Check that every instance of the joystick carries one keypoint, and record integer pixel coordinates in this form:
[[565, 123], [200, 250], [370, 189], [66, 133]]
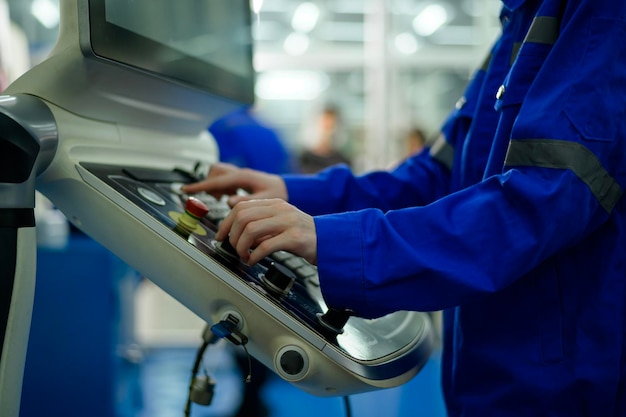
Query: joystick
[[334, 319], [227, 248], [278, 279]]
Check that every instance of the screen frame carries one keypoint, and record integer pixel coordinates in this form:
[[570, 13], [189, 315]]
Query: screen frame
[[115, 43]]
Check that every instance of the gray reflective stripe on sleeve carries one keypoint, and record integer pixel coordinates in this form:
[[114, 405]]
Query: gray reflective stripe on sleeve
[[551, 153], [443, 152], [543, 29], [516, 47], [486, 62]]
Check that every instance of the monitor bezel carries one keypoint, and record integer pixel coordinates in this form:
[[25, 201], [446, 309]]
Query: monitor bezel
[[117, 44]]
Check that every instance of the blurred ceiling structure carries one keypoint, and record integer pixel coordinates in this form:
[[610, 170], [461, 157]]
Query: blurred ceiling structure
[[348, 27], [389, 64]]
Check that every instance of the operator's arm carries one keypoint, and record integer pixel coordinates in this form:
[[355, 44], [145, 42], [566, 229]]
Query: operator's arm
[[473, 242], [562, 180], [417, 181]]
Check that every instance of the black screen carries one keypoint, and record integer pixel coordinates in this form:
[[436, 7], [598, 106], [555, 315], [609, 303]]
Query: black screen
[[203, 43]]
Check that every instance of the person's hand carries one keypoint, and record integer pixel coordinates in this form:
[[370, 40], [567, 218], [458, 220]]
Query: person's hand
[[227, 179], [266, 226]]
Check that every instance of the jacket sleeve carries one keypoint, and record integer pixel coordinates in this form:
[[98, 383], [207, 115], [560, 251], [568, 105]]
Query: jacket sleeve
[[417, 181], [471, 243], [562, 179]]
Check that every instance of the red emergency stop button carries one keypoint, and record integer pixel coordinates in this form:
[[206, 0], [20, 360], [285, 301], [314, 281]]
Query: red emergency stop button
[[196, 208]]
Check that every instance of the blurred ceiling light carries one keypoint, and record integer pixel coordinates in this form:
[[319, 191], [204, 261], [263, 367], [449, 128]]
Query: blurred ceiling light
[[406, 43], [430, 19], [256, 5], [296, 44], [46, 12], [343, 32], [291, 85], [305, 17]]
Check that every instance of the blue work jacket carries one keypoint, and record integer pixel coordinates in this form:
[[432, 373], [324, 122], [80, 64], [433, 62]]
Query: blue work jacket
[[243, 140], [513, 223]]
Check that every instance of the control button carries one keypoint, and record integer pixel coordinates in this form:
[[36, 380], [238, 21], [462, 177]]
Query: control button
[[281, 255], [176, 188], [294, 262], [208, 199], [292, 363], [196, 207], [313, 280], [334, 319], [219, 208], [278, 279], [189, 221], [306, 271], [226, 248], [151, 196]]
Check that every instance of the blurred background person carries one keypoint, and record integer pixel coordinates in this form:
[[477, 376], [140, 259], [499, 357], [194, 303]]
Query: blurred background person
[[325, 150], [244, 140], [415, 141], [412, 142]]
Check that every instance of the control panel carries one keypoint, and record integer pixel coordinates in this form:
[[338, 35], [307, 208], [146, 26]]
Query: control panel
[[384, 352]]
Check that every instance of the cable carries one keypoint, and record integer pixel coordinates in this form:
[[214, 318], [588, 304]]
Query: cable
[[348, 408], [248, 377], [208, 338], [201, 390], [227, 328]]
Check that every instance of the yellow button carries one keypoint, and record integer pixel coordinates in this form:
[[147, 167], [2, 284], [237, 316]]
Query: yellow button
[[500, 92]]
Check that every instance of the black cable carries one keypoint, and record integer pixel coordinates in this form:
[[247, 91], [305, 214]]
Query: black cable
[[225, 328], [207, 339], [346, 404], [248, 377], [196, 368]]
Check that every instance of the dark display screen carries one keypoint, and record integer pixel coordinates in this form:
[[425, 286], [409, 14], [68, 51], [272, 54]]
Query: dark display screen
[[203, 43]]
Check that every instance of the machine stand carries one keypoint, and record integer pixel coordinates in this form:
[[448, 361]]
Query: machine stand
[[28, 139]]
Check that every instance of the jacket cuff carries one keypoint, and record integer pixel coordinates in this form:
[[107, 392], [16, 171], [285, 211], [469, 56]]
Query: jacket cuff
[[339, 258]]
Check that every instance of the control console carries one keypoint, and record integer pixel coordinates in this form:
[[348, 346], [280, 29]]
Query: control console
[[276, 303]]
